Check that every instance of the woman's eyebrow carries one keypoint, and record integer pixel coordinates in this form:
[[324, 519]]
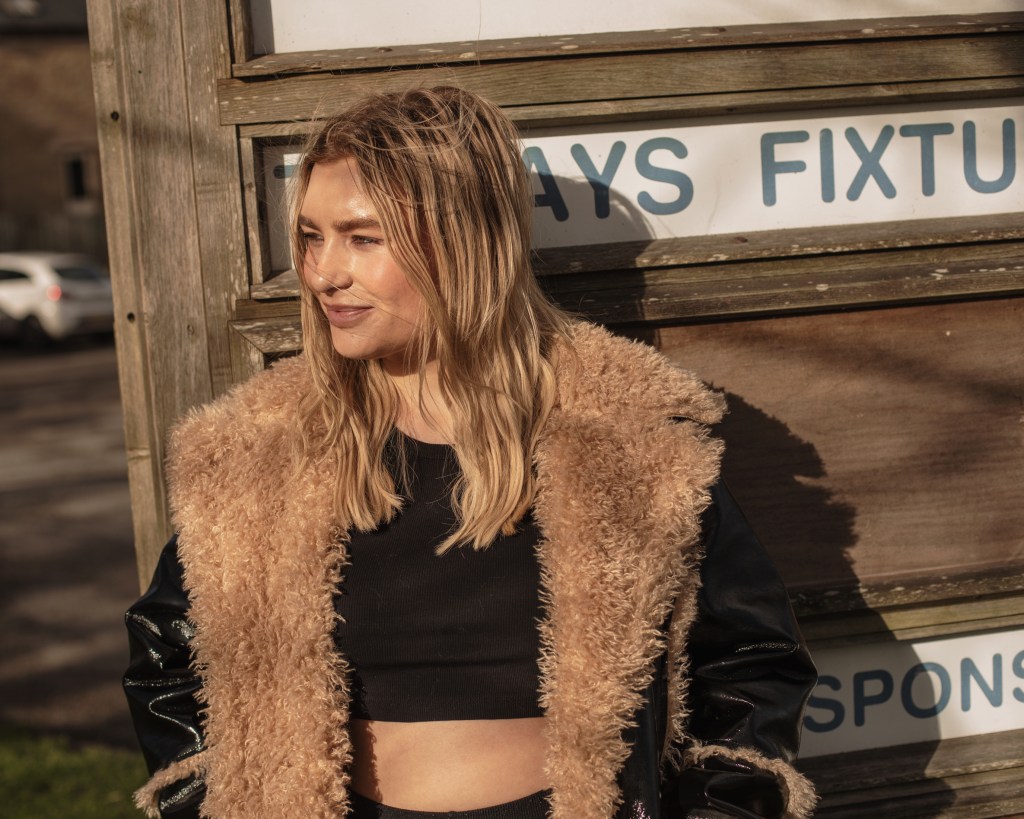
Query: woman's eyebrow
[[356, 223], [345, 225]]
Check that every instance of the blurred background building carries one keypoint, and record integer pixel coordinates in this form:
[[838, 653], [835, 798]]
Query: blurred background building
[[50, 194]]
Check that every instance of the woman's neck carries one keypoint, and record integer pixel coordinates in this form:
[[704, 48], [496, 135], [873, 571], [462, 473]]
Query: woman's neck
[[430, 419]]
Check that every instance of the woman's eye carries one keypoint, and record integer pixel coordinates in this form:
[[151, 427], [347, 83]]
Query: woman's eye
[[367, 240], [310, 238]]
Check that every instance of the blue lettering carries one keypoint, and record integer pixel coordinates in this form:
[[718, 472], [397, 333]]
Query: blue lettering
[[870, 163], [828, 166], [656, 174], [927, 134], [861, 699], [533, 157], [600, 181], [772, 167], [835, 706], [969, 671], [907, 690], [1018, 672], [971, 159]]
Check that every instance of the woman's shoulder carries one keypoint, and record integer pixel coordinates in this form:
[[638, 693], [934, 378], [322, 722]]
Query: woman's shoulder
[[254, 410], [602, 373]]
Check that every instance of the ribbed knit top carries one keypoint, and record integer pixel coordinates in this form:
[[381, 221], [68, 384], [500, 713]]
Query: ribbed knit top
[[439, 637]]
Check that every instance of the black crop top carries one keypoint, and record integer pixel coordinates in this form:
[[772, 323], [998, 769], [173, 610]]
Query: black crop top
[[439, 637]]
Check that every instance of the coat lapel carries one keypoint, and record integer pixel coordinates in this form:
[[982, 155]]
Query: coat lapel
[[262, 558], [620, 490]]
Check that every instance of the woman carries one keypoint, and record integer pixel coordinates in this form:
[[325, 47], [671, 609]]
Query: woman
[[449, 561]]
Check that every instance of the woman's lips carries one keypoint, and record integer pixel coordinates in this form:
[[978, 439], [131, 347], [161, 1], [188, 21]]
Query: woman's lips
[[345, 315]]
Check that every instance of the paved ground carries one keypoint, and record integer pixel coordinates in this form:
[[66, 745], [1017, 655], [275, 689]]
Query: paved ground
[[67, 568]]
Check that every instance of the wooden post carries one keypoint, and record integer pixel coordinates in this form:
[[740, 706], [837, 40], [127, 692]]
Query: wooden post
[[177, 260]]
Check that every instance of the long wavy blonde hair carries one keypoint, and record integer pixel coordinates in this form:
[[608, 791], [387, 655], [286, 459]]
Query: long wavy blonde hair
[[442, 168]]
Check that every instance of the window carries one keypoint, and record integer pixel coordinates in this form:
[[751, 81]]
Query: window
[[75, 174]]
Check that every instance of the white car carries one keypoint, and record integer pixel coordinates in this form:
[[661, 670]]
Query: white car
[[51, 296]]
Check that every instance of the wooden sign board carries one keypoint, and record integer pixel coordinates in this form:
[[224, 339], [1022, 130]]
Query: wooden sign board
[[748, 196]]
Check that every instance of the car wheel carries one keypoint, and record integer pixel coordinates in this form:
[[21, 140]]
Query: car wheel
[[32, 334]]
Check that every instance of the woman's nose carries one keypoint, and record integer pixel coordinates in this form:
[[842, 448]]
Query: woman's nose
[[328, 270]]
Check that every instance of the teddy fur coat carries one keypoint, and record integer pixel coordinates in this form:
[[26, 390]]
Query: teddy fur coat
[[624, 469]]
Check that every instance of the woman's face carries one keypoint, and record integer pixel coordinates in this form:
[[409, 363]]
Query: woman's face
[[369, 302]]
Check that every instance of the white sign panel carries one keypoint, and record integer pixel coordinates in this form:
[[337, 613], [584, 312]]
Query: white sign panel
[[279, 163], [731, 176], [885, 694], [308, 25], [688, 178]]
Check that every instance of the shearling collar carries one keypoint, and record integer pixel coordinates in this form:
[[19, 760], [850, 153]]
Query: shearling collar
[[619, 493]]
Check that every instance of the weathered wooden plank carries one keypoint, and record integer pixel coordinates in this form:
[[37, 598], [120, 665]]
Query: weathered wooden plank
[[913, 608], [240, 12], [283, 286], [595, 267], [272, 335], [249, 309], [712, 292], [775, 244], [256, 227], [155, 261], [643, 75], [879, 767], [705, 105], [617, 42], [771, 286], [915, 621], [814, 283], [977, 776], [927, 589], [262, 130], [987, 795], [131, 334], [216, 181], [756, 102], [259, 341], [167, 262]]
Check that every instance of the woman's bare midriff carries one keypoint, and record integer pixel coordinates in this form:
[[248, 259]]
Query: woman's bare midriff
[[448, 765]]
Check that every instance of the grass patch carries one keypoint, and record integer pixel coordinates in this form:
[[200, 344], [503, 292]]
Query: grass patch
[[49, 778]]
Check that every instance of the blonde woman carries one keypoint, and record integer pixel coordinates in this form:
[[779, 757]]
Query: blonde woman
[[464, 557]]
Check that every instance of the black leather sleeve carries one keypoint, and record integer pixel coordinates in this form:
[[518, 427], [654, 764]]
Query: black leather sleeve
[[750, 674], [161, 685]]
